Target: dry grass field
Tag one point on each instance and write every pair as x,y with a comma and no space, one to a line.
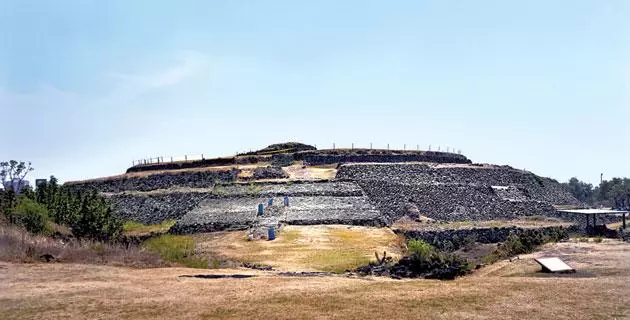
332,248
506,290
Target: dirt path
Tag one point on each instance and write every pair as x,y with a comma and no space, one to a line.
507,290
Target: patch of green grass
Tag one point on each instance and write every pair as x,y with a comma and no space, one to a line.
337,261
175,248
137,227
219,190
253,188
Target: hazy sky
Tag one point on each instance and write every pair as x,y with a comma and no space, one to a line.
87,86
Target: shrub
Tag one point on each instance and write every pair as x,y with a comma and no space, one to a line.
419,249
176,248
425,260
30,214
524,242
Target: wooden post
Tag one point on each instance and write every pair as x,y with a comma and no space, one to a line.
623,221
588,220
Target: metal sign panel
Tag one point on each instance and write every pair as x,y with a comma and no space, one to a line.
554,265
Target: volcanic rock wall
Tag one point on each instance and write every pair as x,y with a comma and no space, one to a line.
192,179
459,237
534,187
453,193
385,156
154,207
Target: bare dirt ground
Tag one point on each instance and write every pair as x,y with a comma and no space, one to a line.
506,290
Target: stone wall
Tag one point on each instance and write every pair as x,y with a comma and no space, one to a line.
448,202
534,187
330,157
191,179
152,207
460,237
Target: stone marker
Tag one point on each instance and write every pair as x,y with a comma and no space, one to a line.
554,265
271,233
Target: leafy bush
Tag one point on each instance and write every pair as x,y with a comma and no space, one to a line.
175,248
419,249
425,260
30,214
524,242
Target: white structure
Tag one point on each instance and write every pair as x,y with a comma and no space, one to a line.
16,185
554,264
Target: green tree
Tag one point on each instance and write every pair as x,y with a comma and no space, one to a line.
614,193
95,219
30,214
580,190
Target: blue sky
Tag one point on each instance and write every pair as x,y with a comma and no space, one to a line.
87,86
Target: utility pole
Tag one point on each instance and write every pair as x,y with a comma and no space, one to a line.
601,178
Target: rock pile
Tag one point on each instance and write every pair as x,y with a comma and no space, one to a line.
269,173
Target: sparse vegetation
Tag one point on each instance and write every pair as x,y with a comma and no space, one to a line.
219,190
525,242
133,227
19,245
176,248
253,188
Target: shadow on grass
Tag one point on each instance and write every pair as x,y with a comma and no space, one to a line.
218,276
